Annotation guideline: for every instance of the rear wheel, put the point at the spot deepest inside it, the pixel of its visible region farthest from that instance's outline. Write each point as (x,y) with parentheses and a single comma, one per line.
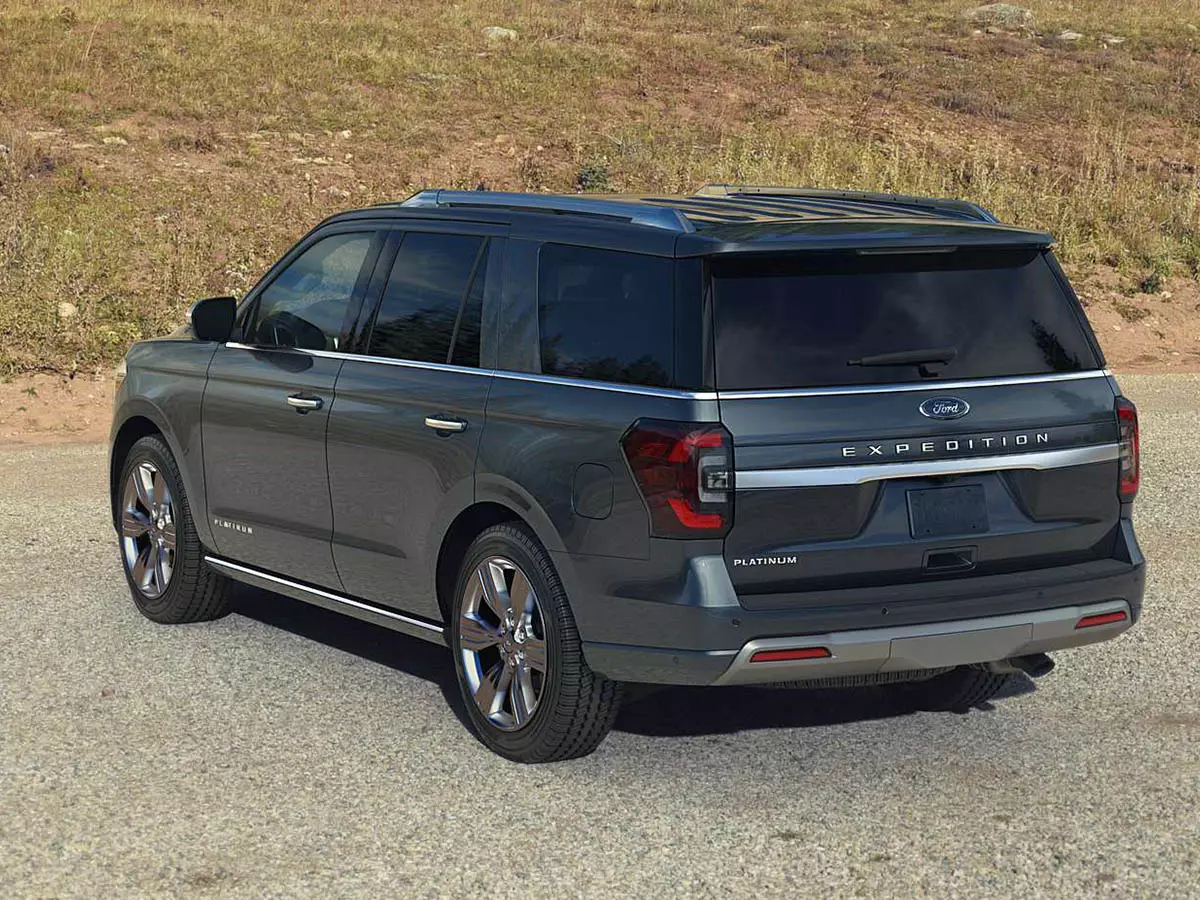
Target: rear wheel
(162,556)
(528,690)
(955,691)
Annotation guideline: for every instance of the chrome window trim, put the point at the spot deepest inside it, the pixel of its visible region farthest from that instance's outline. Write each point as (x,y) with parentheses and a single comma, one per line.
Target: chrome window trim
(669,393)
(676,394)
(326,595)
(829,476)
(926,386)
(361,357)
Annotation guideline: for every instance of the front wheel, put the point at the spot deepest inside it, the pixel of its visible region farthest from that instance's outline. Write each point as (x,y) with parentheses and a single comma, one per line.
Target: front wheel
(528,690)
(162,555)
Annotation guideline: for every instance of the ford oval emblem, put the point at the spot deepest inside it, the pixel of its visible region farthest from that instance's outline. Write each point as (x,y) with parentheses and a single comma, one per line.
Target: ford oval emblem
(945,408)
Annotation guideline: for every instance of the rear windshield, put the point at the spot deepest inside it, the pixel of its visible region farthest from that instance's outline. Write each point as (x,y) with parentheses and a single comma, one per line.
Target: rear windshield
(818,321)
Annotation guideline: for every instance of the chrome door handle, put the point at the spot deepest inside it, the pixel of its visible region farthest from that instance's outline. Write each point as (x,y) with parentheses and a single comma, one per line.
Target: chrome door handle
(445,425)
(303,404)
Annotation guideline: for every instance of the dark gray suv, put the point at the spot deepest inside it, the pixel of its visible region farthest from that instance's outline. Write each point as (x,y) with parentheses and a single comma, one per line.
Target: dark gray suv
(754,435)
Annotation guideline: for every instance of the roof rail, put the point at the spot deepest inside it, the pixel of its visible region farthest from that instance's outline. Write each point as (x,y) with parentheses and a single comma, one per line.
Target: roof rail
(636,213)
(958,207)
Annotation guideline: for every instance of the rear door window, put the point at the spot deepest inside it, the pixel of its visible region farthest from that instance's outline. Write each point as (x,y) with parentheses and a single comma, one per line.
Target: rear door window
(817,321)
(606,315)
(432,304)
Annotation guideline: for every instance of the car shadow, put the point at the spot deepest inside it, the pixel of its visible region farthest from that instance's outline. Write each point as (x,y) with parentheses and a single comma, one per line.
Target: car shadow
(691,711)
(649,710)
(412,656)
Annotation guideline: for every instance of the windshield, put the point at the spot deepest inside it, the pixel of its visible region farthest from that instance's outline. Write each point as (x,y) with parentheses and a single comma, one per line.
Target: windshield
(849,319)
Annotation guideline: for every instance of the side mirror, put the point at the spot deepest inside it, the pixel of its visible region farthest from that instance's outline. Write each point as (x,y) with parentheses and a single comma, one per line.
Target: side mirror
(212,319)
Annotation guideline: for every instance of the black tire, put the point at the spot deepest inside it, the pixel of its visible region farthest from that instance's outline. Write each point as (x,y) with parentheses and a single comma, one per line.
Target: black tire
(955,691)
(576,706)
(194,592)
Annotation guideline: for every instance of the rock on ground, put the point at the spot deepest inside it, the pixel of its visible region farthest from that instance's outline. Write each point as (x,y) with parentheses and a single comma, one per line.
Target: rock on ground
(496,33)
(1000,15)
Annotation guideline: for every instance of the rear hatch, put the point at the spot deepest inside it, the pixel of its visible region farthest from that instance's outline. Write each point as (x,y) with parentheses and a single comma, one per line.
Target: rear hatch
(909,417)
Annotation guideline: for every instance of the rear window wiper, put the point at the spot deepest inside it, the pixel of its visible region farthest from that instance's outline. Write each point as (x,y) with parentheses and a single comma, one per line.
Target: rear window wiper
(908,357)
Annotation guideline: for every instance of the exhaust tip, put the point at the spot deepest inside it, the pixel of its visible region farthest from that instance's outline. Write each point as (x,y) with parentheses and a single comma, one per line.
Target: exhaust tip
(1035,665)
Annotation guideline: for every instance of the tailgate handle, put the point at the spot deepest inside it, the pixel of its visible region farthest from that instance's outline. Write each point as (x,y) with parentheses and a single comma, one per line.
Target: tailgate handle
(957,559)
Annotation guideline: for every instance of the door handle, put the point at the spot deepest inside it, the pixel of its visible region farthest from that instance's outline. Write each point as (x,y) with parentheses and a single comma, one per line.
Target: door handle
(445,426)
(303,404)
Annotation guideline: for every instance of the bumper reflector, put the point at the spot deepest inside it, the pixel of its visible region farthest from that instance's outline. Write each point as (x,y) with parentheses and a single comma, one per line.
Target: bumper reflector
(1101,619)
(789,655)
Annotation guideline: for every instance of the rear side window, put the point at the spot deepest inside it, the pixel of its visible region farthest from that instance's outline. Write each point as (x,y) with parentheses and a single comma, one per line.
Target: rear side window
(605,315)
(817,321)
(433,300)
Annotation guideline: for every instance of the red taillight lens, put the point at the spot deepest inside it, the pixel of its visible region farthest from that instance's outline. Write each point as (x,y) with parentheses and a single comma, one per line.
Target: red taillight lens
(684,471)
(791,655)
(1127,426)
(1101,619)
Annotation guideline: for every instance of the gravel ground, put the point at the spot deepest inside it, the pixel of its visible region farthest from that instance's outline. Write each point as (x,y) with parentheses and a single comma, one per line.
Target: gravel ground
(284,751)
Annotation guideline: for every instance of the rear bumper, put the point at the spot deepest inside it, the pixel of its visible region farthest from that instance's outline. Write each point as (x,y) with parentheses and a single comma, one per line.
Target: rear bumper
(868,651)
(702,635)
(915,647)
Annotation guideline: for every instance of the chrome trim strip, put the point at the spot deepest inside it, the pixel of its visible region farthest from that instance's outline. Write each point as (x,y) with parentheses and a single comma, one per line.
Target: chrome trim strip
(670,393)
(929,387)
(761,479)
(378,360)
(324,595)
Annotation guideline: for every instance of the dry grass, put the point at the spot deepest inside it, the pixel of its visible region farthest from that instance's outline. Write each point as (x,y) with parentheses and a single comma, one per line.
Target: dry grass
(162,151)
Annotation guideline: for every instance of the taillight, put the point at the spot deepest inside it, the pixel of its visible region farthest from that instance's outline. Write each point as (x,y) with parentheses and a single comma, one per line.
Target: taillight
(1127,429)
(684,471)
(1101,619)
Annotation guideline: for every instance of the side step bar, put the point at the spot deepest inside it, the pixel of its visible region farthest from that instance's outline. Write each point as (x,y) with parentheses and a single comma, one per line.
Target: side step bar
(368,612)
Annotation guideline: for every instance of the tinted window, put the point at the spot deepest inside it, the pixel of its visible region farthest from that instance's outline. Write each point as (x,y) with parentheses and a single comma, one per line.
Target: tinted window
(799,322)
(424,294)
(465,351)
(606,315)
(306,304)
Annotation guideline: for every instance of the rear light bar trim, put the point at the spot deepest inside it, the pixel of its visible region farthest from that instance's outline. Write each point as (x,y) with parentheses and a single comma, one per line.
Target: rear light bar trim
(825,476)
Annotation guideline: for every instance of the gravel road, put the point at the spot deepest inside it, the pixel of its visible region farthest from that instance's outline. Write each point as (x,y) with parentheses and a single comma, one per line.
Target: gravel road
(284,751)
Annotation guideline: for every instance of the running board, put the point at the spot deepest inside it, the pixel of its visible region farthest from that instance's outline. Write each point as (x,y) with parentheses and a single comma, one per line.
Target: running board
(368,612)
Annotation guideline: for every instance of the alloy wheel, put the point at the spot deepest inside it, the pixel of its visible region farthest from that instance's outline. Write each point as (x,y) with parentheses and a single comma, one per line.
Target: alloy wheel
(502,641)
(148,537)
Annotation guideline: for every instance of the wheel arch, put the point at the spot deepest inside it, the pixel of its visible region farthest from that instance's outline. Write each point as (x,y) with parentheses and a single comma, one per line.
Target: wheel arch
(141,420)
(466,526)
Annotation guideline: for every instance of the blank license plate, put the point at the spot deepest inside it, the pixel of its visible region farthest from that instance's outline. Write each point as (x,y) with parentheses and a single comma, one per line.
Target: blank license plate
(945,511)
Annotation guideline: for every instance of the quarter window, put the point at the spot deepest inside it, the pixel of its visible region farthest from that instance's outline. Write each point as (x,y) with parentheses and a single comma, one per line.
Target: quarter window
(433,300)
(305,306)
(605,315)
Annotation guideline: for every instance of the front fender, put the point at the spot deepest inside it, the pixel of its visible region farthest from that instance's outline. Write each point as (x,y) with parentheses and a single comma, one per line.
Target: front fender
(164,386)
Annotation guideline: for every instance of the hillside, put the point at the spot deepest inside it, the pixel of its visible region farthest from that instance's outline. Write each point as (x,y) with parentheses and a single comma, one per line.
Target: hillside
(154,152)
